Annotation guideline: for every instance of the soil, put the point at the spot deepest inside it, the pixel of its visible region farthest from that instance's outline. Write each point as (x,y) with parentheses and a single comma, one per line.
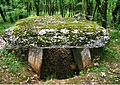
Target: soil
(57,64)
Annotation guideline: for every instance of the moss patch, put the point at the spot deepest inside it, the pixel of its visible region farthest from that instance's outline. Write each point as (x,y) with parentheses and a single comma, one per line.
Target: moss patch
(38,23)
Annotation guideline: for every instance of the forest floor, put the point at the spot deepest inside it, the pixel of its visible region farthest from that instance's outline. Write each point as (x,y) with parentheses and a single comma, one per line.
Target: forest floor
(15,70)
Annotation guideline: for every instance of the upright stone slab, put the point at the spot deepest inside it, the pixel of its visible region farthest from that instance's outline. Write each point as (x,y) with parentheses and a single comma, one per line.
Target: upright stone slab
(82,57)
(77,57)
(86,57)
(35,59)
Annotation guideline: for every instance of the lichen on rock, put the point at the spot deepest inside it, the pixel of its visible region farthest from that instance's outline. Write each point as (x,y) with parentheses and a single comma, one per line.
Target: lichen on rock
(59,32)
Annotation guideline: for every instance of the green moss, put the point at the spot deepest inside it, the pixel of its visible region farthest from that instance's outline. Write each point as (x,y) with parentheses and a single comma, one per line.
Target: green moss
(86,26)
(38,23)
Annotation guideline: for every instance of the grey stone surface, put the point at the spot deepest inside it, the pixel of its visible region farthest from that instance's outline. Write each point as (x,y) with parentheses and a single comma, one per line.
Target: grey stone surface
(35,59)
(99,41)
(86,58)
(2,43)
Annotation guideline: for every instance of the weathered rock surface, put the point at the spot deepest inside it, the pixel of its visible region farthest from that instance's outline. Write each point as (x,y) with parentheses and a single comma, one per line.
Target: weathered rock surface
(86,57)
(35,59)
(53,32)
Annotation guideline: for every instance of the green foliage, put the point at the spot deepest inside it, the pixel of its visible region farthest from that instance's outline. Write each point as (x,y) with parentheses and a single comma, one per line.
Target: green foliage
(14,64)
(14,10)
(117,26)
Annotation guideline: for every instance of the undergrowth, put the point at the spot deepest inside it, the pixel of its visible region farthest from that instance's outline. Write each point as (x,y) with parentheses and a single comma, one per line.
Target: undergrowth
(12,62)
(12,66)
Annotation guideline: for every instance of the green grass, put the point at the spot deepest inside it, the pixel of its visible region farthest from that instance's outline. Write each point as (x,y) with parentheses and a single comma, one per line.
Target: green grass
(12,62)
(15,66)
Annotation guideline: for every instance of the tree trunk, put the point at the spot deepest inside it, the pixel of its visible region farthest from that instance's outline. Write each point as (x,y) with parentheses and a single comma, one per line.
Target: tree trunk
(28,7)
(11,19)
(46,7)
(94,12)
(50,8)
(89,9)
(2,14)
(53,8)
(37,7)
(70,8)
(62,7)
(103,11)
(115,11)
(104,14)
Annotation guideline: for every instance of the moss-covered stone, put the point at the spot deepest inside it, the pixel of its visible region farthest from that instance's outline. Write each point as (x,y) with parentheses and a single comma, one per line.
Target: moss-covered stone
(38,23)
(57,31)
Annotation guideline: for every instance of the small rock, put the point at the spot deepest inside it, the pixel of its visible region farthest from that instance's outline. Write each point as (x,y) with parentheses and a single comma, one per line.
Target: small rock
(93,83)
(103,74)
(19,74)
(4,67)
(7,70)
(96,64)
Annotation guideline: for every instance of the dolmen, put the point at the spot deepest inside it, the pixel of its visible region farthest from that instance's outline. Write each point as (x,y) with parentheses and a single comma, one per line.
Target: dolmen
(57,46)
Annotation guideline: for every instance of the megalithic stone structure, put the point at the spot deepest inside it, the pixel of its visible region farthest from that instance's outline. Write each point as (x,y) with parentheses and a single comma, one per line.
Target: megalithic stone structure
(82,36)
